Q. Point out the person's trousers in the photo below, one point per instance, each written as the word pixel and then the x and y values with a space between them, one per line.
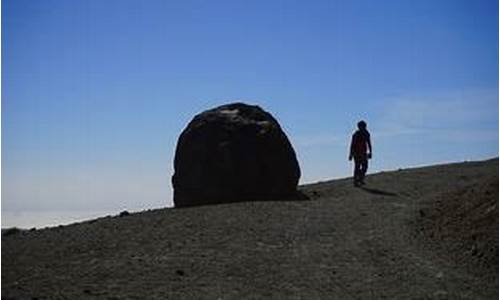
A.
pixel 360 168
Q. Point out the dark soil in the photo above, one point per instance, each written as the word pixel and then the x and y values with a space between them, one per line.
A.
pixel 426 233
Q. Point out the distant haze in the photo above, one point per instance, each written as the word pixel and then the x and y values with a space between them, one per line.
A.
pixel 95 93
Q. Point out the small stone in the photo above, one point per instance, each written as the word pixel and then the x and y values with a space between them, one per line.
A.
pixel 124 213
pixel 11 231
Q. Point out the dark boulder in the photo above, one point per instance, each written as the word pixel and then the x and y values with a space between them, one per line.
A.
pixel 234 152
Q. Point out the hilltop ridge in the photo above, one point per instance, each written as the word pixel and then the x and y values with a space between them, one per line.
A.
pixel 429 232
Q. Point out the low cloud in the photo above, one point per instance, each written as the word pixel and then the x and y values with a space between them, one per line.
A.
pixel 460 116
pixel 316 140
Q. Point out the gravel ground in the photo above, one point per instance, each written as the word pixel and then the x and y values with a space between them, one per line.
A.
pixel 426 233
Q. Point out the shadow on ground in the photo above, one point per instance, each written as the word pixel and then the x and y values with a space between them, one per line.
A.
pixel 296 196
pixel 378 192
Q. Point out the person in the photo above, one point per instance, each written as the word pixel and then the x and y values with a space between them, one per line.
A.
pixel 360 151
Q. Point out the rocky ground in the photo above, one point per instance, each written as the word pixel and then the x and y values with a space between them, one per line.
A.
pixel 426 233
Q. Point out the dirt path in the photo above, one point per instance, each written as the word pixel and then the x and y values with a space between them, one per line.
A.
pixel 344 243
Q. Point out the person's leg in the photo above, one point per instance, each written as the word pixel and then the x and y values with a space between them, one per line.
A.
pixel 363 169
pixel 357 171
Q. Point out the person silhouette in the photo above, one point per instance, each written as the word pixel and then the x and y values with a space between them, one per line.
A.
pixel 360 143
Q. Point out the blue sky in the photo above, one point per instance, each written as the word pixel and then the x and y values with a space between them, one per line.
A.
pixel 95 93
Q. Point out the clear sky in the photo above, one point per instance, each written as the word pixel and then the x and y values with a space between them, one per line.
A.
pixel 96 92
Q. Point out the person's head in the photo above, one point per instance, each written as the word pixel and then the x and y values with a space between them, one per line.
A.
pixel 362 125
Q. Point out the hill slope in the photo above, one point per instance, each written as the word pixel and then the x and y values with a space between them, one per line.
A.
pixel 420 233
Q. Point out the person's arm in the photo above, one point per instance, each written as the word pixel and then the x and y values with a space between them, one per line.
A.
pixel 368 141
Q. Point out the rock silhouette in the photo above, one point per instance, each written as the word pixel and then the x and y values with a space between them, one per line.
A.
pixel 234 152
